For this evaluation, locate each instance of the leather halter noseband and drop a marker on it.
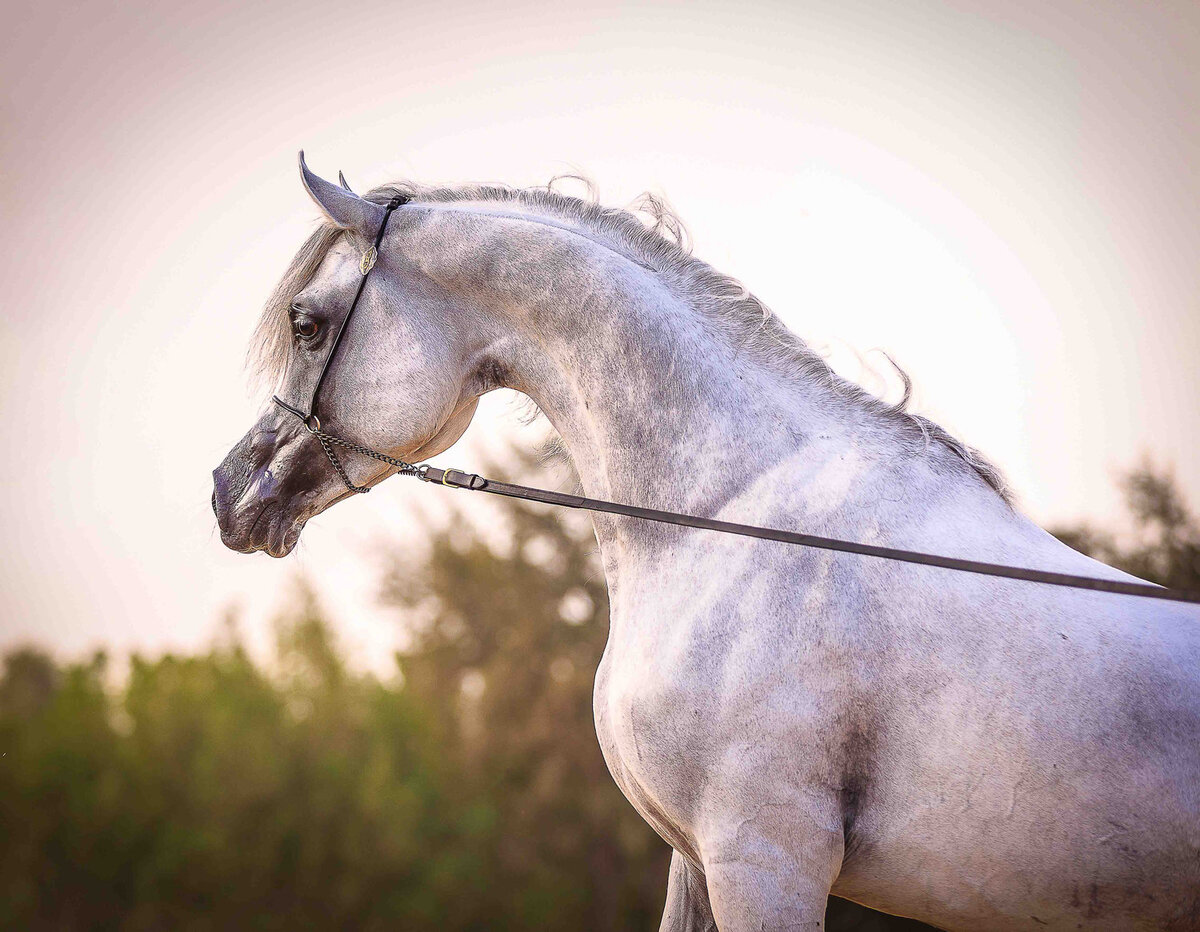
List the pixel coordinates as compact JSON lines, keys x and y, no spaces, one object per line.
{"x":457,"y":479}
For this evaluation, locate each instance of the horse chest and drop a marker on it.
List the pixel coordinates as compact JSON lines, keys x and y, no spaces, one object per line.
{"x":658,"y":692}
{"x":647,"y":728}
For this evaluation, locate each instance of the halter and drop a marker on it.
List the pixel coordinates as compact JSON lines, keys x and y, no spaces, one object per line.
{"x":310,"y":420}
{"x":457,"y":479}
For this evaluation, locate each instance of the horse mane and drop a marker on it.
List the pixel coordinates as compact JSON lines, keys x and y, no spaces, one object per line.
{"x":652,"y":233}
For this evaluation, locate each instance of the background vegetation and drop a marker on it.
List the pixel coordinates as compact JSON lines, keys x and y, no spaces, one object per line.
{"x":467,"y":791}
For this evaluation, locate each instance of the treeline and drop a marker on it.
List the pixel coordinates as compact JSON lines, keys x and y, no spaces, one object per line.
{"x":467,"y":791}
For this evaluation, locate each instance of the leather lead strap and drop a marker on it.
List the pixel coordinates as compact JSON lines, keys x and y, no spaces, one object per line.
{"x":457,"y":479}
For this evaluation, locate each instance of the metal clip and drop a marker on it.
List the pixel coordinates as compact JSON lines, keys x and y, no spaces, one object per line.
{"x":368,"y":260}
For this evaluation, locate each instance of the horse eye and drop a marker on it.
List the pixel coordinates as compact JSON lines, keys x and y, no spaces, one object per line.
{"x":306,"y":329}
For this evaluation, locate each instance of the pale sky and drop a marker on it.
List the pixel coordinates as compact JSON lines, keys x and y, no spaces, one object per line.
{"x":1004,"y":196}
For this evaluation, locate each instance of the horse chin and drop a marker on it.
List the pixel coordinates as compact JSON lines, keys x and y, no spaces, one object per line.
{"x":273,"y":531}
{"x":280,"y":544}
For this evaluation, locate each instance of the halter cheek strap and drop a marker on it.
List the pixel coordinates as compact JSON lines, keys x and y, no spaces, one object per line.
{"x":310,"y":420}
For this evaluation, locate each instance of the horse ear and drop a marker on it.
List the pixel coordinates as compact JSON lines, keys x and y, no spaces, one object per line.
{"x":344,"y":183}
{"x":344,"y":208}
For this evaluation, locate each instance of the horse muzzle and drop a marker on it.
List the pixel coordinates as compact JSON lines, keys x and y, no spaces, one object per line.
{"x":254,"y":509}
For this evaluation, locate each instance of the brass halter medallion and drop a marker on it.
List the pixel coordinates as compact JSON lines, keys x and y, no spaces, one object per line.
{"x":368,"y":260}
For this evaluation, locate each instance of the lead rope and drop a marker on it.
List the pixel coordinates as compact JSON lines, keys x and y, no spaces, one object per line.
{"x":456,"y":479}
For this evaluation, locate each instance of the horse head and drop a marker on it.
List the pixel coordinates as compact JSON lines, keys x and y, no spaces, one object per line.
{"x":399,"y":382}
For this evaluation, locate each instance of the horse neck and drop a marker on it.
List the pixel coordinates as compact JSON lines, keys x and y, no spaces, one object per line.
{"x":653,"y":407}
{"x":655,"y":403}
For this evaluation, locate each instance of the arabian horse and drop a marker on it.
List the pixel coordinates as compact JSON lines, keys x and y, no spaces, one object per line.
{"x":973,"y":752}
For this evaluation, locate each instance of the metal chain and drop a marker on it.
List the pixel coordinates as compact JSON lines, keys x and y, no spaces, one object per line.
{"x":327,"y":441}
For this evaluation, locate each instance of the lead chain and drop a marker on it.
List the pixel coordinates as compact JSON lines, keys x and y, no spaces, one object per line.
{"x":327,"y":441}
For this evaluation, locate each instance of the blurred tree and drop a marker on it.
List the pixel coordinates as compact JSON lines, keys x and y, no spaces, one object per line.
{"x":207,"y":792}
{"x":1164,"y":546}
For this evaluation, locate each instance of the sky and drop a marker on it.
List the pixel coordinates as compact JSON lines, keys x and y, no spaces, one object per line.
{"x":1003,"y":196}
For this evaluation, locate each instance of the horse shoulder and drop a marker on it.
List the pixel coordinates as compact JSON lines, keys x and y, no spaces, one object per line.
{"x":715,"y":688}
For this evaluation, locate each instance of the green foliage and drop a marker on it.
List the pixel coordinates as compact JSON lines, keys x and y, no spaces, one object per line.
{"x":206,"y":794}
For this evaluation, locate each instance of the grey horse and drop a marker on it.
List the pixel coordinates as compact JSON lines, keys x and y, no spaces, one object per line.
{"x":973,"y":752}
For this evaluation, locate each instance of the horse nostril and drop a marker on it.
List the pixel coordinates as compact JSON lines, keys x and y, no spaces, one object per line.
{"x":214,"y":502}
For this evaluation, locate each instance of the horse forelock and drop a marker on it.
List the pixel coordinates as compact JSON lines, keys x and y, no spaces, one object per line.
{"x":271,"y":344}
{"x":652,"y":233}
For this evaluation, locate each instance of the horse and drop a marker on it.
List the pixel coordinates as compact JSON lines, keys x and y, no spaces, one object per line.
{"x":972,"y":752}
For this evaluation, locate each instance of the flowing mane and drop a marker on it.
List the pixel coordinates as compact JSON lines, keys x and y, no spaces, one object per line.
{"x":653,"y":235}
